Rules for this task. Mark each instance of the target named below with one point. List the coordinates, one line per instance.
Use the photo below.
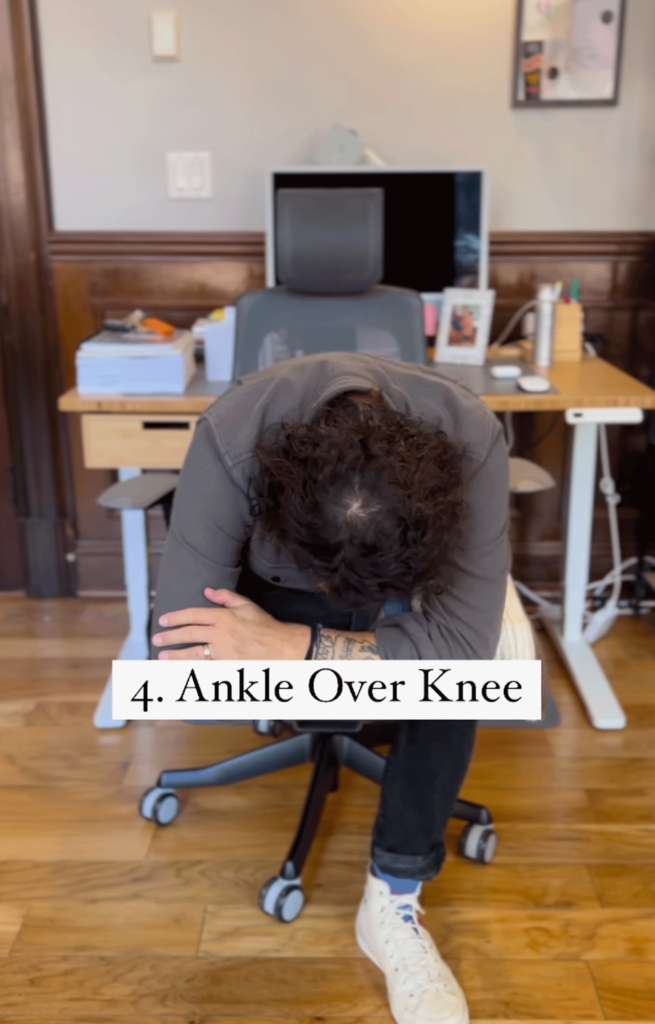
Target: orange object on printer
(151, 323)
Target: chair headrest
(329, 241)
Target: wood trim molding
(572, 245)
(125, 245)
(504, 245)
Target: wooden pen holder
(568, 333)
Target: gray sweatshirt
(213, 508)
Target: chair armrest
(140, 492)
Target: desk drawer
(113, 441)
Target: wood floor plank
(53, 679)
(543, 773)
(63, 755)
(621, 887)
(11, 919)
(236, 882)
(521, 804)
(626, 990)
(632, 680)
(93, 1018)
(59, 647)
(161, 882)
(571, 935)
(606, 744)
(101, 1018)
(110, 927)
(575, 844)
(278, 987)
(92, 823)
(461, 934)
(512, 742)
(639, 715)
(78, 712)
(323, 931)
(528, 989)
(565, 886)
(631, 806)
(255, 987)
(14, 713)
(66, 619)
(634, 640)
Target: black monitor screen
(433, 232)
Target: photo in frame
(465, 326)
(567, 53)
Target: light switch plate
(189, 175)
(165, 35)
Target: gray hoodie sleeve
(210, 519)
(464, 621)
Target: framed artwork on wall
(567, 53)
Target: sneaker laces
(418, 960)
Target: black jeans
(427, 763)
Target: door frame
(29, 349)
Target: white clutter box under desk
(125, 364)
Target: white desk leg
(597, 695)
(135, 565)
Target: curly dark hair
(367, 499)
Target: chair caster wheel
(478, 843)
(282, 898)
(264, 727)
(160, 805)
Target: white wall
(424, 81)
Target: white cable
(602, 584)
(504, 335)
(552, 611)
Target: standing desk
(134, 433)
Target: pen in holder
(568, 334)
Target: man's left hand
(237, 630)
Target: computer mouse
(503, 372)
(533, 382)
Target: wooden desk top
(593, 383)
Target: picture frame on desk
(465, 326)
(567, 53)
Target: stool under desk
(133, 433)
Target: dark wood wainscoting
(180, 277)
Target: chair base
(282, 896)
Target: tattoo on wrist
(335, 646)
(324, 647)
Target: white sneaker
(421, 987)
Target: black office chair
(329, 259)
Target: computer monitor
(435, 221)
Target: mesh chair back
(277, 324)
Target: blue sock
(400, 886)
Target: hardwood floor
(106, 920)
